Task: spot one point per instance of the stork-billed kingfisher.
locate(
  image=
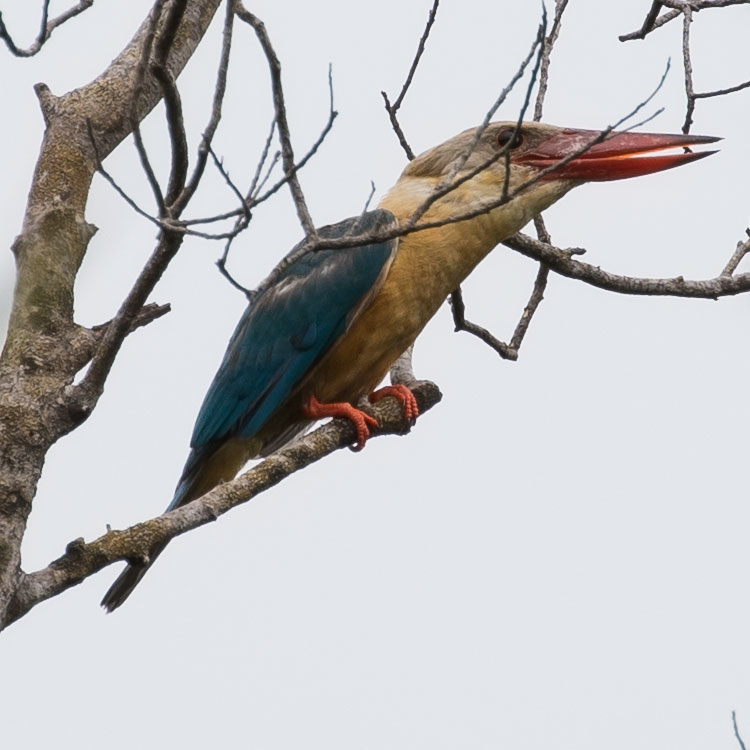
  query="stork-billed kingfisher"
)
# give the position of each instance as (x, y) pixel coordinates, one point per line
(326, 331)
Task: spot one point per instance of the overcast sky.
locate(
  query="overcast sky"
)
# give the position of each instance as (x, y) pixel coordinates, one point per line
(555, 557)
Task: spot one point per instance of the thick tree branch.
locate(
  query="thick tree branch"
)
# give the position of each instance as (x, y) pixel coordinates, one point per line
(42, 351)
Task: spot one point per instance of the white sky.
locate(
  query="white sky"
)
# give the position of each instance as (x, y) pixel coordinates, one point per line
(555, 557)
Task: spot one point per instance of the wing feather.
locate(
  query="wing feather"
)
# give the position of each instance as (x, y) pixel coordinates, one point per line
(289, 327)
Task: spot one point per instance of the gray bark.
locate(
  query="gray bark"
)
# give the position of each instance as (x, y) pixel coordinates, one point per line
(45, 348)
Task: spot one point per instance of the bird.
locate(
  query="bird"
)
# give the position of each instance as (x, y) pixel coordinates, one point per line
(325, 330)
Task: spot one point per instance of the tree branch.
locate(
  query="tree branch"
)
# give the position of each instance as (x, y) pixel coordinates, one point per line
(287, 152)
(392, 109)
(549, 43)
(562, 262)
(654, 21)
(82, 559)
(42, 351)
(46, 29)
(213, 123)
(458, 309)
(510, 351)
(737, 731)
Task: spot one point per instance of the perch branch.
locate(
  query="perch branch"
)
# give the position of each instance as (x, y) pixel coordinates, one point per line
(82, 559)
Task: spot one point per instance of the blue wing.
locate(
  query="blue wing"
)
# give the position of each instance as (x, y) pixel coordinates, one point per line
(285, 330)
(288, 328)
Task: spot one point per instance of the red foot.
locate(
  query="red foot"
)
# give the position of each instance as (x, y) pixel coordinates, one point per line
(313, 409)
(404, 395)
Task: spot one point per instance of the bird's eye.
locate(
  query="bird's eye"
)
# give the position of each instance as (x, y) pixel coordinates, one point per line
(509, 138)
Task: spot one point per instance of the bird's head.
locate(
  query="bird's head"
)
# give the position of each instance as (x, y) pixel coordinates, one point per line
(535, 150)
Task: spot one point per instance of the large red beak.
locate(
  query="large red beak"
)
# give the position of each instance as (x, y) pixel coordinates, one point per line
(620, 155)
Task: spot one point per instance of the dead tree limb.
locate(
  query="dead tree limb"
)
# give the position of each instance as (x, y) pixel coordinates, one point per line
(45, 348)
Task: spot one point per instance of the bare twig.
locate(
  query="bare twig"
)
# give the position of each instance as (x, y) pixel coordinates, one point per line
(253, 199)
(686, 8)
(369, 197)
(648, 23)
(417, 56)
(653, 22)
(412, 225)
(213, 122)
(147, 169)
(177, 138)
(240, 224)
(537, 295)
(446, 187)
(687, 19)
(461, 324)
(222, 261)
(562, 262)
(287, 152)
(257, 183)
(549, 43)
(506, 351)
(245, 217)
(182, 226)
(697, 5)
(536, 49)
(84, 395)
(510, 351)
(140, 75)
(440, 191)
(145, 56)
(722, 92)
(172, 103)
(146, 315)
(221, 264)
(46, 28)
(167, 225)
(392, 109)
(743, 248)
(737, 731)
(145, 163)
(332, 115)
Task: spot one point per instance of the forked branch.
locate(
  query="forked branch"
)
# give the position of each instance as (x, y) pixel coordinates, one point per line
(47, 26)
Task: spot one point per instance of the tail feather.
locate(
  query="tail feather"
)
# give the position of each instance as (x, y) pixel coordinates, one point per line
(124, 584)
(205, 468)
(130, 577)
